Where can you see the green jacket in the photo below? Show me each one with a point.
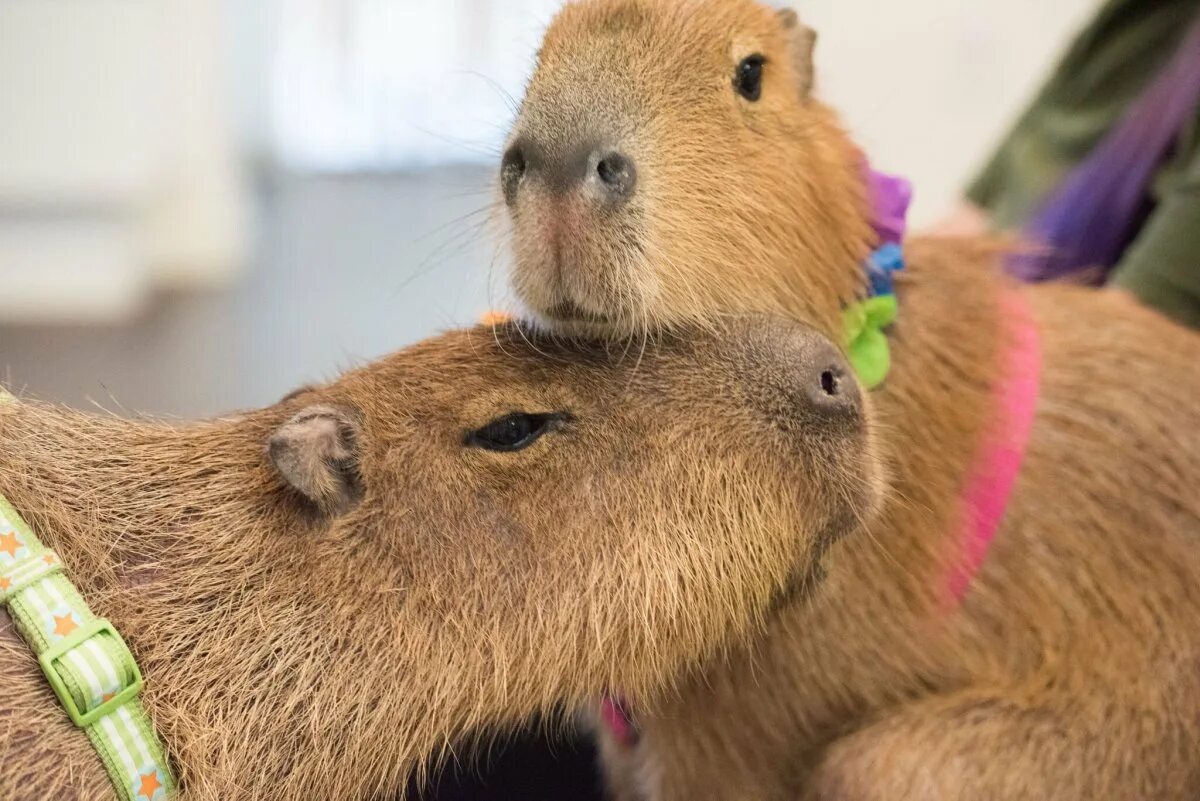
(1104, 70)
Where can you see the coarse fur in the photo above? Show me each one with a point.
(324, 592)
(1069, 671)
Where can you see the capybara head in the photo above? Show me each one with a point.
(670, 164)
(524, 495)
(520, 524)
(478, 528)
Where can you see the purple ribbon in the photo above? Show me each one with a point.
(890, 197)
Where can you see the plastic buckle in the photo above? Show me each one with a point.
(74, 640)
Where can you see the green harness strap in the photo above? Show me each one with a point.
(86, 662)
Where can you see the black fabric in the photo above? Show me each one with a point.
(531, 767)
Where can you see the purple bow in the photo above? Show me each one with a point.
(890, 198)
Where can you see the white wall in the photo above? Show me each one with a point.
(927, 86)
(119, 173)
(378, 84)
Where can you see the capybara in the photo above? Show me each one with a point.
(1020, 621)
(477, 529)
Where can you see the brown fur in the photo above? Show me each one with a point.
(316, 616)
(1070, 672)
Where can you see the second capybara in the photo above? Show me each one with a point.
(479, 528)
(1020, 622)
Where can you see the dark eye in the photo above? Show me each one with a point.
(748, 80)
(513, 431)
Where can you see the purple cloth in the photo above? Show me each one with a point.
(1097, 211)
(890, 198)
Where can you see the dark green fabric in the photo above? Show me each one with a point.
(1162, 266)
(1104, 70)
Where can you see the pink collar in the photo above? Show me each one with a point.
(618, 721)
(994, 470)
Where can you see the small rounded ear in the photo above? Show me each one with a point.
(316, 453)
(297, 392)
(802, 41)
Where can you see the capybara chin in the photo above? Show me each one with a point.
(670, 164)
(476, 529)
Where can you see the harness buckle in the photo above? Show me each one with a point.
(73, 640)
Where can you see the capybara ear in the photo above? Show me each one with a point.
(802, 41)
(316, 452)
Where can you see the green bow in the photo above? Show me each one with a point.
(864, 322)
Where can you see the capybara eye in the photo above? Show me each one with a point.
(748, 80)
(513, 432)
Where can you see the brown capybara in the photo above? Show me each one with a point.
(670, 165)
(476, 529)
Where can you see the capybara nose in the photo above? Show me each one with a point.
(830, 385)
(602, 173)
(610, 175)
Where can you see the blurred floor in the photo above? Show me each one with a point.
(346, 269)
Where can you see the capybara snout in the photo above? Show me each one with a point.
(812, 391)
(600, 173)
(831, 388)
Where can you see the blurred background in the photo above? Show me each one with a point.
(206, 203)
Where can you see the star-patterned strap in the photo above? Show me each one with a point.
(86, 662)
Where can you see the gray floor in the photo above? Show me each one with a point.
(346, 269)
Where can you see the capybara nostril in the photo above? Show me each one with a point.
(832, 387)
(613, 173)
(512, 171)
(830, 382)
